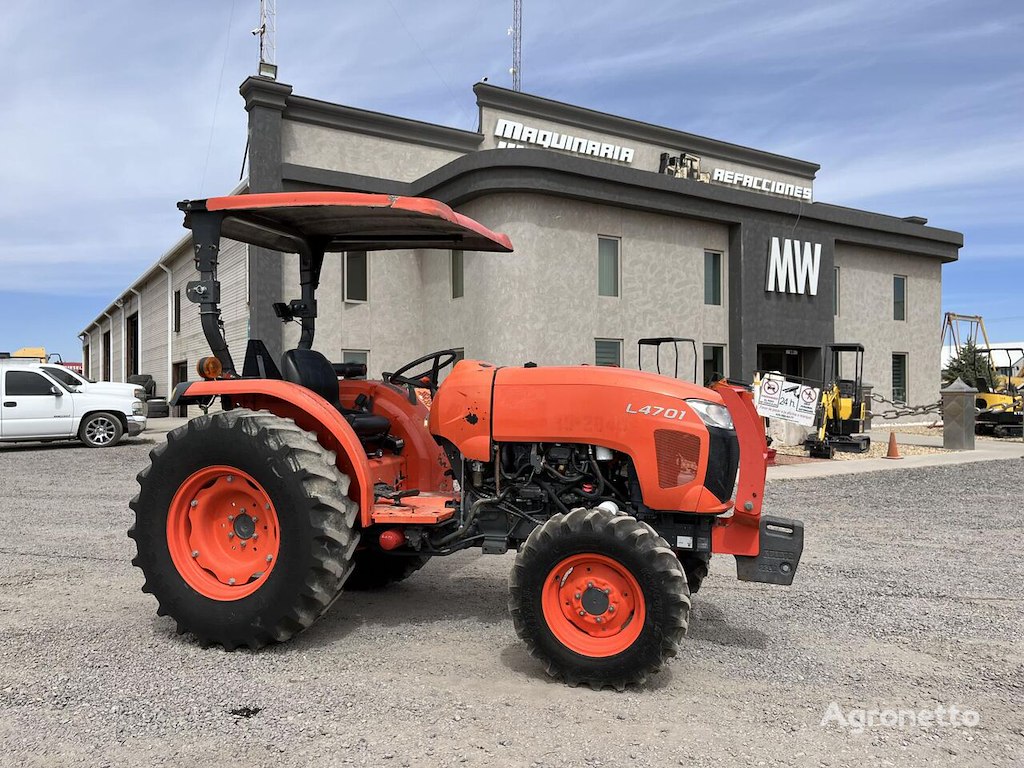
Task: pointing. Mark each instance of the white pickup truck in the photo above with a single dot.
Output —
(35, 405)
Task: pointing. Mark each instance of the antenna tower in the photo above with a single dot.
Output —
(267, 33)
(517, 45)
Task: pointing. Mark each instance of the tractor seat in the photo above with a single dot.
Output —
(309, 369)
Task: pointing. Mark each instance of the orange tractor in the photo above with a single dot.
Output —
(614, 486)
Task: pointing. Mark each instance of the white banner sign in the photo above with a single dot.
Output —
(778, 398)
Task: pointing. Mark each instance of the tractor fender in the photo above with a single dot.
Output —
(308, 410)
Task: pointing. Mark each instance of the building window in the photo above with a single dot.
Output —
(835, 294)
(607, 266)
(608, 352)
(21, 383)
(712, 278)
(899, 297)
(356, 277)
(177, 312)
(899, 377)
(106, 356)
(458, 275)
(714, 362)
(356, 356)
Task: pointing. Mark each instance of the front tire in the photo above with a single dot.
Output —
(100, 430)
(243, 528)
(599, 598)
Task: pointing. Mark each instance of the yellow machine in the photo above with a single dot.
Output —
(1000, 398)
(32, 353)
(843, 409)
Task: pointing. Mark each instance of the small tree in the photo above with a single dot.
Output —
(970, 364)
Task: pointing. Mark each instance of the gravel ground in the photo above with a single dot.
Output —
(908, 597)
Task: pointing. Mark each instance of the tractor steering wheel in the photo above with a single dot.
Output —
(427, 377)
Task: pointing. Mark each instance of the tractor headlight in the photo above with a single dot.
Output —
(712, 414)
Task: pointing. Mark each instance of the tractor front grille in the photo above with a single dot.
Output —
(723, 460)
(678, 454)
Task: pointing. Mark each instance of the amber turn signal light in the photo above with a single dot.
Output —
(209, 367)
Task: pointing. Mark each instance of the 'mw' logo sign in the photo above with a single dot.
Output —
(793, 267)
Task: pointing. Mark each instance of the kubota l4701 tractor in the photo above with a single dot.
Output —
(614, 486)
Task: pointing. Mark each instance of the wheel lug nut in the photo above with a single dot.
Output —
(243, 544)
(255, 535)
(269, 558)
(255, 519)
(607, 591)
(266, 507)
(583, 613)
(577, 595)
(231, 534)
(590, 585)
(231, 518)
(194, 503)
(195, 553)
(231, 478)
(611, 609)
(231, 582)
(599, 619)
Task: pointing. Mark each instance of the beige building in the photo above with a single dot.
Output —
(622, 230)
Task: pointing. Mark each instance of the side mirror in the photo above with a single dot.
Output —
(57, 391)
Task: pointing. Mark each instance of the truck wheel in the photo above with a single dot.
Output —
(599, 598)
(696, 569)
(376, 570)
(244, 529)
(100, 430)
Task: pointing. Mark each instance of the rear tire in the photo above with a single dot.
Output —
(243, 464)
(375, 569)
(581, 632)
(100, 430)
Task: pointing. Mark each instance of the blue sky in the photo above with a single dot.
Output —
(115, 110)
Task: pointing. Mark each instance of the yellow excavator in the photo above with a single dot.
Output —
(1001, 405)
(843, 409)
(1000, 398)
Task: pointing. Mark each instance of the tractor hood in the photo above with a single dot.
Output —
(292, 222)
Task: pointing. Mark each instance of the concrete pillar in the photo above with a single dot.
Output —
(265, 101)
(958, 416)
(867, 390)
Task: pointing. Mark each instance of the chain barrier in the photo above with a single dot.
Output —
(899, 410)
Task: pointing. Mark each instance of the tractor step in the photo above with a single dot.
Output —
(422, 509)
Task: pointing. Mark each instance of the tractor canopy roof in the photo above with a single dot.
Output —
(295, 222)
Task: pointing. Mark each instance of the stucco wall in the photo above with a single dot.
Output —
(866, 316)
(317, 146)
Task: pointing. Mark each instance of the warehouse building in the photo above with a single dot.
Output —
(622, 230)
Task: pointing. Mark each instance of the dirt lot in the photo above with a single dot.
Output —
(908, 597)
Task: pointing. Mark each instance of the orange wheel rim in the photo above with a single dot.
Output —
(593, 605)
(223, 533)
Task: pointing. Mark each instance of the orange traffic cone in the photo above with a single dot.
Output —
(894, 450)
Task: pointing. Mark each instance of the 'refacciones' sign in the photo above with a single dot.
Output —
(779, 398)
(686, 165)
(761, 183)
(793, 266)
(512, 135)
